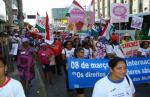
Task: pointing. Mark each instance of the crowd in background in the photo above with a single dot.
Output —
(33, 49)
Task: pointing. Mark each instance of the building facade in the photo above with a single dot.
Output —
(102, 7)
(14, 15)
(59, 15)
(2, 15)
(136, 7)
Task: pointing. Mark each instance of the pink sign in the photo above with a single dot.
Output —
(76, 16)
(119, 13)
(90, 17)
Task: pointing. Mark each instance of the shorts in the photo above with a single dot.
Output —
(80, 91)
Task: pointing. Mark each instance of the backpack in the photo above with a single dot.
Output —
(127, 80)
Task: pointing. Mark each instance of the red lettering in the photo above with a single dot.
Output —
(131, 53)
(130, 44)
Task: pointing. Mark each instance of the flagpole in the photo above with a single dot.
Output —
(119, 32)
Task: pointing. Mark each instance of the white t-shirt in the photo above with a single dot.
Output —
(68, 53)
(12, 89)
(144, 51)
(115, 49)
(106, 88)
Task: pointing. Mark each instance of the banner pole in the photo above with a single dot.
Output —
(119, 33)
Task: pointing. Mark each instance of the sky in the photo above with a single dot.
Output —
(41, 6)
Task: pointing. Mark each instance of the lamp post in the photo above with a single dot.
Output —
(4, 43)
(20, 16)
(9, 22)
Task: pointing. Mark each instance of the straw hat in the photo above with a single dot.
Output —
(126, 34)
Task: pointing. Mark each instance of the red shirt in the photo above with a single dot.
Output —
(45, 55)
(57, 48)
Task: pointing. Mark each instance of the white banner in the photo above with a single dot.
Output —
(130, 49)
(14, 49)
(119, 12)
(137, 22)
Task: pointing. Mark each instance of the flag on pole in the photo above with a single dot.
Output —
(48, 37)
(75, 5)
(94, 31)
(38, 14)
(47, 28)
(40, 23)
(107, 30)
(92, 2)
(90, 8)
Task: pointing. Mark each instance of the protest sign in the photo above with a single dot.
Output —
(76, 16)
(90, 17)
(137, 22)
(119, 13)
(83, 73)
(130, 49)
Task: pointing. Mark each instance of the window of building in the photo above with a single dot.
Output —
(146, 5)
(145, 8)
(134, 10)
(125, 1)
(135, 6)
(112, 1)
(118, 1)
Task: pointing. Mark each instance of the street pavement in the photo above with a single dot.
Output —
(40, 88)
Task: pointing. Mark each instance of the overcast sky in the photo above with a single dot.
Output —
(32, 6)
(41, 6)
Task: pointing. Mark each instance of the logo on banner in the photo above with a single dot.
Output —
(119, 13)
(76, 16)
(137, 22)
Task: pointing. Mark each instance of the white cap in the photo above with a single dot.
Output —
(42, 44)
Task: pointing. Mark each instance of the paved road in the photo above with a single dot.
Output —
(59, 90)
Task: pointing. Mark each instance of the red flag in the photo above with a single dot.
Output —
(92, 2)
(37, 14)
(90, 7)
(47, 28)
(76, 5)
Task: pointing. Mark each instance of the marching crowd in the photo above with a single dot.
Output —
(32, 50)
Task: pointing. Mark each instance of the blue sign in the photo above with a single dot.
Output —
(83, 73)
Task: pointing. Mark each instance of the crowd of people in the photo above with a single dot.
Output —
(32, 50)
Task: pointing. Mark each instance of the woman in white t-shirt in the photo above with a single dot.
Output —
(144, 50)
(113, 49)
(9, 87)
(67, 52)
(88, 53)
(116, 83)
